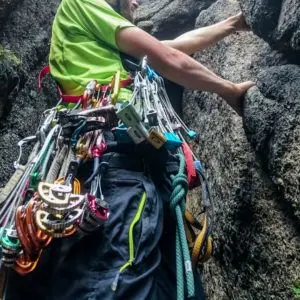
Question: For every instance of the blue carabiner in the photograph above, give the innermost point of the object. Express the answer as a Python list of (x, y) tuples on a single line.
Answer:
[(151, 73), (74, 137)]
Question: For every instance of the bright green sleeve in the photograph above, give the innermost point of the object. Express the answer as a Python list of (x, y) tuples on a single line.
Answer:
[(101, 21)]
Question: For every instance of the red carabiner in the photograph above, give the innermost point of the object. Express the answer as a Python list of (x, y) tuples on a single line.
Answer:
[(190, 168), (98, 150)]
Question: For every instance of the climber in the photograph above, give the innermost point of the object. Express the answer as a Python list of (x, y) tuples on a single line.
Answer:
[(88, 37), (132, 255)]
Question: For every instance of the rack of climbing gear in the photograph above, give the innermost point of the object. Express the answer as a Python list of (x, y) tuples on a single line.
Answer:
[(45, 200), (150, 117)]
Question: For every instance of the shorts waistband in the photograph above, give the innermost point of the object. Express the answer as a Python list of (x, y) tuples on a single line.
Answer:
[(123, 161)]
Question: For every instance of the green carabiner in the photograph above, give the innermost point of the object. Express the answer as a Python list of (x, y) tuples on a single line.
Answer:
[(34, 180), (10, 241)]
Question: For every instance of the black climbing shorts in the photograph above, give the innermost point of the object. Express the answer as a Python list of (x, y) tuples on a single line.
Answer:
[(132, 256)]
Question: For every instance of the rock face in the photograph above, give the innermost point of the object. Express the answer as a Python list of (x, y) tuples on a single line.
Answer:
[(24, 47), (252, 163), (257, 211), (277, 22), (272, 125), (9, 77), (169, 18), (5, 7)]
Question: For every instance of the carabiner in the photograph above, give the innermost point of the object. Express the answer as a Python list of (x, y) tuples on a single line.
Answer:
[(20, 145), (25, 265), (89, 91), (99, 169), (21, 227), (116, 87)]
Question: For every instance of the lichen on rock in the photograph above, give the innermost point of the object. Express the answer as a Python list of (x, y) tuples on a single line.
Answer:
[(6, 54)]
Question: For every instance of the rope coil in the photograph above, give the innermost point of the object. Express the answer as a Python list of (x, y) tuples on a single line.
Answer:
[(184, 272)]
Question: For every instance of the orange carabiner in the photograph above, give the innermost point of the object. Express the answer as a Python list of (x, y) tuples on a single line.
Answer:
[(44, 238), (25, 265), (76, 184), (88, 93), (31, 227), (21, 231)]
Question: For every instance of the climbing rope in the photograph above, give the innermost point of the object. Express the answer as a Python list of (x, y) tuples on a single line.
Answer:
[(183, 260)]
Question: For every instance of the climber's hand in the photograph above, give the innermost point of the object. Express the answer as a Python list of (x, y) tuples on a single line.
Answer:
[(239, 23), (235, 97)]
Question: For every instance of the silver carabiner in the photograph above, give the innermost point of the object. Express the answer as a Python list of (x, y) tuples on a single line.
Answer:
[(20, 145), (144, 65)]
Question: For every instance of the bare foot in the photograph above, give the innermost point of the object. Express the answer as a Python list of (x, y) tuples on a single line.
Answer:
[(235, 97)]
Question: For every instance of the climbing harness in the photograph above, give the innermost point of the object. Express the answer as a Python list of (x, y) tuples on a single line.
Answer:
[(45, 199)]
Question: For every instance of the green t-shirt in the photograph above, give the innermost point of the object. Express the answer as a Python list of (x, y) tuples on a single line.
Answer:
[(83, 45)]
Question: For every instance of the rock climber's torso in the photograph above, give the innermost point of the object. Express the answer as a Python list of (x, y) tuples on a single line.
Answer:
[(83, 45)]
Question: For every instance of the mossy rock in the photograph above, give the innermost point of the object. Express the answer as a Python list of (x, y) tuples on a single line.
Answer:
[(6, 54), (9, 78), (296, 288)]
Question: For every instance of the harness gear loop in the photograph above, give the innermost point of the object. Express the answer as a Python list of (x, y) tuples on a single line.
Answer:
[(78, 98)]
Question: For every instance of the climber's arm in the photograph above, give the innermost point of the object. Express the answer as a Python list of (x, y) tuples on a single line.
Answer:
[(201, 38), (177, 66)]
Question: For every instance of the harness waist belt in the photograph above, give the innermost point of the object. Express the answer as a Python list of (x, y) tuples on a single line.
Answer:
[(75, 98)]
